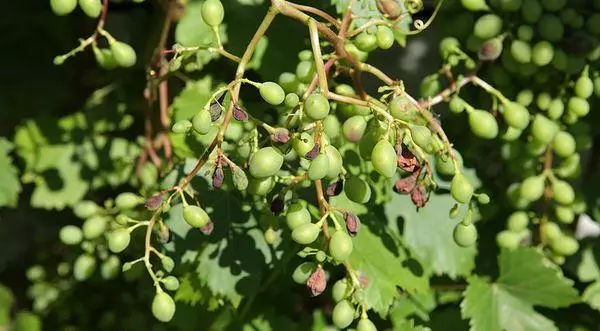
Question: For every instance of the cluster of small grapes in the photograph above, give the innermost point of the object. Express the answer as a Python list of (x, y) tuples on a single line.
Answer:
[(549, 49)]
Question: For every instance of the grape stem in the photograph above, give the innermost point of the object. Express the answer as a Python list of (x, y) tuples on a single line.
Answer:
[(547, 196)]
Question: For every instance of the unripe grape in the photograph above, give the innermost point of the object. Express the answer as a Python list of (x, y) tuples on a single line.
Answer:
[(91, 8), (86, 208), (487, 26), (456, 105), (531, 11), (365, 41), (551, 231), (562, 192), (118, 240), (291, 100), (516, 115), (340, 245), (316, 106), (532, 188), (564, 144), (297, 215), (202, 121), (385, 37), (430, 86), (318, 167), (543, 129), (553, 5), (508, 239), (543, 100), (465, 235), (110, 267), (341, 290), (84, 267), (335, 162), (365, 324), (517, 221), (449, 45), (305, 70), (127, 200), (354, 128), (35, 273), (306, 233), (421, 136), (289, 82), (510, 5), (181, 126), (525, 32), (475, 5), (195, 216), (63, 7), (303, 272), (461, 189), (70, 235), (556, 109), (565, 245), (578, 106), (483, 124), (584, 87), (401, 108), (171, 283), (564, 214), (357, 189), (550, 28), (303, 144), (384, 158), (331, 126), (272, 93), (265, 162), (355, 52), (94, 227), (212, 12), (521, 51), (343, 314), (124, 54), (163, 306), (167, 263), (260, 186), (491, 49), (542, 53)]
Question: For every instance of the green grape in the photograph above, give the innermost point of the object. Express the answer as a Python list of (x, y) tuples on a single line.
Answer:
[(562, 192), (128, 200), (365, 324), (84, 267), (516, 115), (91, 8), (316, 106), (345, 90), (118, 240), (86, 208), (575, 64), (550, 28), (593, 24), (202, 121), (542, 53), (306, 233), (531, 11), (289, 82), (167, 263), (543, 101), (521, 51), (401, 108), (296, 215), (272, 93), (564, 214), (212, 12), (181, 126), (123, 53), (110, 267), (335, 161), (355, 52), (357, 189), (487, 26), (491, 49), (303, 144), (475, 5), (525, 97), (35, 273), (305, 70), (195, 216), (584, 87), (260, 186), (508, 239), (384, 158), (105, 58), (510, 5), (291, 100), (430, 86), (461, 189), (553, 5), (354, 128), (483, 124), (565, 246), (543, 129), (340, 245), (319, 167), (385, 37), (70, 235), (374, 133), (63, 7), (445, 166), (341, 290), (303, 272), (448, 46), (517, 221), (552, 231), (535, 148), (568, 15), (94, 227), (163, 306), (465, 235), (265, 162), (305, 55), (532, 188), (564, 144), (556, 109), (525, 32), (343, 314), (365, 41), (456, 105), (331, 126), (171, 283), (578, 106), (421, 136)]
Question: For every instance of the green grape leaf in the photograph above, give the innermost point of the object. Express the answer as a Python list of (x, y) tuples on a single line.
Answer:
[(26, 321), (589, 271), (591, 295), (6, 301), (10, 187), (418, 305), (385, 266), (409, 325), (428, 232), (526, 280)]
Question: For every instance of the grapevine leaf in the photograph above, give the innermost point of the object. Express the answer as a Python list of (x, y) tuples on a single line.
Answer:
[(385, 266), (6, 300), (428, 232), (525, 280), (10, 187), (419, 305), (409, 325), (589, 271), (591, 295), (26, 321)]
